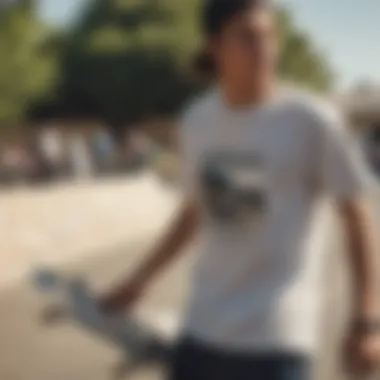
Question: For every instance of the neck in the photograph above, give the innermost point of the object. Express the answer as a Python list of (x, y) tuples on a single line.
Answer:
[(244, 93)]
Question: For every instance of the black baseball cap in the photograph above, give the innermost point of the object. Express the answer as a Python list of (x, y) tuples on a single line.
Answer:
[(215, 15)]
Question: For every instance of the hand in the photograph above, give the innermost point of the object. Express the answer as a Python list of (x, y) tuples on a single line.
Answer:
[(121, 299), (361, 353)]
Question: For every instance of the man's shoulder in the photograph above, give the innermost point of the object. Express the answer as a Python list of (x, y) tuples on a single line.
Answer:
[(313, 108), (199, 107)]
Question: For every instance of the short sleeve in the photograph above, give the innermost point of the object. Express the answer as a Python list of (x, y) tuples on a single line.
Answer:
[(343, 171)]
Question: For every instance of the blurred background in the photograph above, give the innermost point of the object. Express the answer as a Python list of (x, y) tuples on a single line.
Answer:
[(89, 94)]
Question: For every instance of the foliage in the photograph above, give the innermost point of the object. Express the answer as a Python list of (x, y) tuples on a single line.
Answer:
[(125, 59), (26, 66), (300, 59)]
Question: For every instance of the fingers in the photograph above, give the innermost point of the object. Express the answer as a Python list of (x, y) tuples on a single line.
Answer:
[(362, 356)]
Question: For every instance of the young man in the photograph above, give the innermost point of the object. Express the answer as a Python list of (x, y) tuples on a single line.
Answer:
[(258, 164)]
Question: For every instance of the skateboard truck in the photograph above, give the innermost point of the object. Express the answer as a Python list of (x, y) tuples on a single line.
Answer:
[(49, 284)]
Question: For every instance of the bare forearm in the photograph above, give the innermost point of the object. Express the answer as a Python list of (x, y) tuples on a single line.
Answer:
[(181, 232), (362, 255)]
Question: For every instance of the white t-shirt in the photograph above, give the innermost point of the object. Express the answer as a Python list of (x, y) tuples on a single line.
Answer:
[(263, 176)]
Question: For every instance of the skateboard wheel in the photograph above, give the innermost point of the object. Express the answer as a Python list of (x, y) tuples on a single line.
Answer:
[(53, 315), (45, 280)]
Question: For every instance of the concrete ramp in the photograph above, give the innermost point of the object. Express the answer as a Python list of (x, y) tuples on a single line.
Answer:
[(69, 221)]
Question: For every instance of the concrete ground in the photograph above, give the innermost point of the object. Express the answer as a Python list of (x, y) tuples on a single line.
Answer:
[(32, 351)]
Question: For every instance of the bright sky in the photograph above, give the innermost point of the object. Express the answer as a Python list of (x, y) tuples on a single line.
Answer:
[(347, 30)]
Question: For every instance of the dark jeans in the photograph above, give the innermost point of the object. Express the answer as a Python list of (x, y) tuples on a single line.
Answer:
[(196, 361)]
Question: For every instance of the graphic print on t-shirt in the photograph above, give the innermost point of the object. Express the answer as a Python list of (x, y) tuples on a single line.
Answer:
[(234, 187)]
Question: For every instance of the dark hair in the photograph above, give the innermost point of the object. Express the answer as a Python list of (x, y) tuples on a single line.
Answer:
[(216, 14)]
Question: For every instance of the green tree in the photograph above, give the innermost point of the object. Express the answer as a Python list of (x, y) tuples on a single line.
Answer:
[(125, 59), (26, 66), (300, 59)]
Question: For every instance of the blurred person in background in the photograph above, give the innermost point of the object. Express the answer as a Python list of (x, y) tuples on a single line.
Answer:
[(80, 160), (51, 150), (259, 163), (16, 162), (140, 148), (103, 149)]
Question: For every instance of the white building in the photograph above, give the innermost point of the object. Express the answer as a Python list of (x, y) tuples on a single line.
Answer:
[(362, 105)]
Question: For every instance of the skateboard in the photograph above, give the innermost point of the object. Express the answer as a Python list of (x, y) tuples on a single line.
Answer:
[(140, 343)]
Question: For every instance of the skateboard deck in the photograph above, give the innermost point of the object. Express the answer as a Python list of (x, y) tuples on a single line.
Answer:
[(139, 342)]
